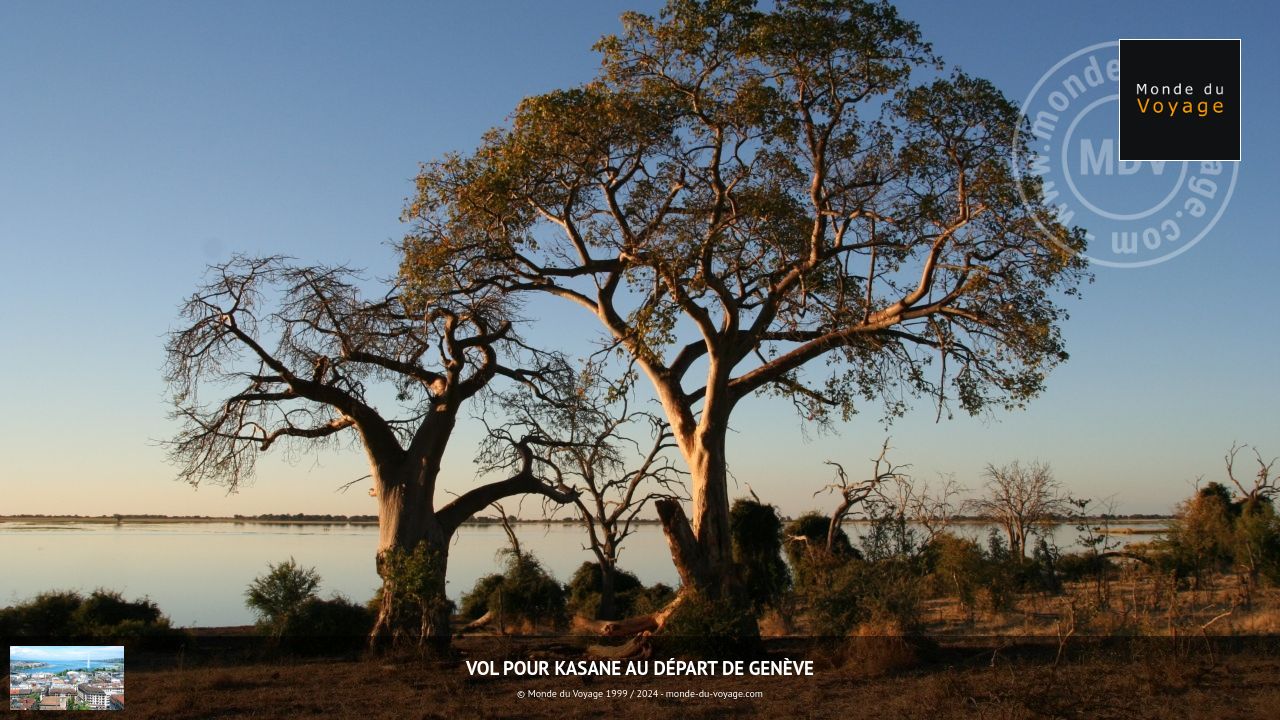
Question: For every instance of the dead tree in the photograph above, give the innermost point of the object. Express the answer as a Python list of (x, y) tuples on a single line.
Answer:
[(275, 354), (1018, 498), (1265, 485), (853, 494)]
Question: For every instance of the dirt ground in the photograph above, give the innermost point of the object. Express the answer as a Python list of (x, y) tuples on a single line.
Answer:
[(1194, 677)]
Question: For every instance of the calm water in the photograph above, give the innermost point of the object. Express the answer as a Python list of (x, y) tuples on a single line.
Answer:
[(57, 666), (197, 572)]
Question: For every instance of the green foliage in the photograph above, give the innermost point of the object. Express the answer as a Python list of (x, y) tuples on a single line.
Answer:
[(103, 614), (414, 581), (621, 169), (756, 530), (1256, 540), (278, 594), (1215, 532), (327, 626), (826, 584), (703, 627), (957, 567), (106, 608), (807, 535), (524, 592), (631, 597), (476, 602)]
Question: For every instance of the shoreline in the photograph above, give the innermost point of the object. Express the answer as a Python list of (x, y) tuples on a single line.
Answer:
[(173, 519)]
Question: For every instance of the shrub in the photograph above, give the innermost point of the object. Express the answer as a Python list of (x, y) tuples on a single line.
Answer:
[(104, 614), (830, 589), (808, 534), (756, 532), (278, 594), (330, 625), (709, 628), (524, 592), (1214, 533), (631, 597), (106, 608), (956, 567)]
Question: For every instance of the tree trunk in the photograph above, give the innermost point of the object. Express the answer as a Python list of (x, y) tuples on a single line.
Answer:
[(412, 560), (703, 549), (608, 602)]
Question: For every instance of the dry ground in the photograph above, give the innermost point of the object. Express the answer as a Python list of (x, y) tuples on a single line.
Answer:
[(873, 678)]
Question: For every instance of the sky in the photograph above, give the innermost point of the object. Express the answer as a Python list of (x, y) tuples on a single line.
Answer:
[(66, 652), (140, 141)]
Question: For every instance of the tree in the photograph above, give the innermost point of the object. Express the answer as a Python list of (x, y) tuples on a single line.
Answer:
[(277, 595), (1018, 498), (583, 429), (1265, 484), (296, 355), (740, 193), (862, 492)]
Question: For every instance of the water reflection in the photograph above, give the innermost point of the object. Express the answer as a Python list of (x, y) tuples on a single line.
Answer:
[(197, 572)]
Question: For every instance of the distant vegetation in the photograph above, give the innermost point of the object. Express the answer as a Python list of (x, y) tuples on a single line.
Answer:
[(104, 614)]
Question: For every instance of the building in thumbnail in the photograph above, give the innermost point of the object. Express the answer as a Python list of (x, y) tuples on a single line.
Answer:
[(93, 696)]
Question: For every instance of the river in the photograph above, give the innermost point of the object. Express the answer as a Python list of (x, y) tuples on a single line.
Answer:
[(197, 572)]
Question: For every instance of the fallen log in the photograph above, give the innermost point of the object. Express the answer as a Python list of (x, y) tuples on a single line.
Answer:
[(638, 647), (479, 622), (630, 626)]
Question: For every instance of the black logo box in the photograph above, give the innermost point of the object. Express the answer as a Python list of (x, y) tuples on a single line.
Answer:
[(1160, 77)]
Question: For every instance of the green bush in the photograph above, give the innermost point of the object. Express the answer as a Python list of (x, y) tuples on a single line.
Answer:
[(808, 533), (631, 597), (651, 599), (1215, 532), (701, 627), (104, 614), (1074, 567), (476, 603), (416, 581), (830, 591), (105, 608), (326, 626), (956, 568), (524, 592), (756, 532), (278, 594)]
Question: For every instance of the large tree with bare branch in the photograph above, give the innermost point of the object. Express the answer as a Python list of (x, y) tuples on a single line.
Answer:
[(741, 193), (275, 354)]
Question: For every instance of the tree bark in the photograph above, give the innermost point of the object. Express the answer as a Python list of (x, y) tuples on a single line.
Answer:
[(608, 602), (409, 529), (702, 549)]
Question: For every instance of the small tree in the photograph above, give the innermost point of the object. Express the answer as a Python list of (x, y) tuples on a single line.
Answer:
[(1019, 498), (276, 596), (589, 437)]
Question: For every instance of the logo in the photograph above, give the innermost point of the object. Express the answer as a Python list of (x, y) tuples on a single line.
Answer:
[(1135, 213)]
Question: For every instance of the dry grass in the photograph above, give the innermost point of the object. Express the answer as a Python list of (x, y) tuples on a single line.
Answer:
[(877, 678)]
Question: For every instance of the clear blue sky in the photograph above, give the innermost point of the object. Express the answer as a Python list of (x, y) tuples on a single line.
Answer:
[(72, 653), (139, 141)]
